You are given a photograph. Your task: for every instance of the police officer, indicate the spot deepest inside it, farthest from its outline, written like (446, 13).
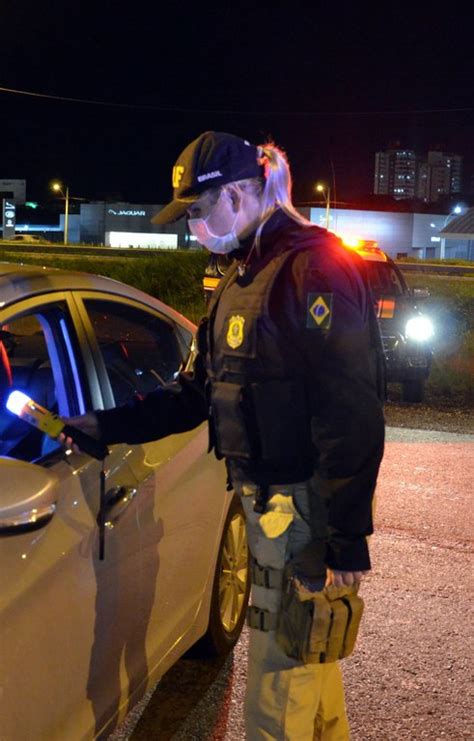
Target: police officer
(289, 376)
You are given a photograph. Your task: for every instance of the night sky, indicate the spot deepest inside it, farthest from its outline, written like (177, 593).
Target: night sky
(330, 84)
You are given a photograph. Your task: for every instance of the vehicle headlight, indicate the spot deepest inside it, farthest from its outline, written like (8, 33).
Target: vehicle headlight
(419, 328)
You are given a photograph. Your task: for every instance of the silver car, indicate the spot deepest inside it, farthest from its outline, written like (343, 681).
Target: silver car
(82, 638)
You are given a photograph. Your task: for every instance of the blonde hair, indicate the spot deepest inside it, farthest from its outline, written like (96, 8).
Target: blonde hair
(273, 188)
(277, 183)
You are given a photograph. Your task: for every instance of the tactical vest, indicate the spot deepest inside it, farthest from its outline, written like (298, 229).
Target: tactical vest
(259, 410)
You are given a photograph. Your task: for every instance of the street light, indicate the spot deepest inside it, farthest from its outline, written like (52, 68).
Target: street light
(58, 188)
(326, 191)
(455, 212)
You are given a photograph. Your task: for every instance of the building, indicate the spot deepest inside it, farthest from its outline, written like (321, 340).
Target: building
(457, 237)
(397, 233)
(13, 188)
(129, 225)
(401, 173)
(409, 234)
(395, 173)
(439, 176)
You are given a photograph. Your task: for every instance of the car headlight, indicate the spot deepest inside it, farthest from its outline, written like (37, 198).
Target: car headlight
(419, 328)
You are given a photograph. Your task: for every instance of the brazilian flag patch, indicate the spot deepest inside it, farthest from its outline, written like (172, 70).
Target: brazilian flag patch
(319, 313)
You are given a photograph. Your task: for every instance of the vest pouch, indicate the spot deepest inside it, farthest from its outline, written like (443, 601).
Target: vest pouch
(283, 423)
(339, 621)
(356, 607)
(347, 608)
(230, 421)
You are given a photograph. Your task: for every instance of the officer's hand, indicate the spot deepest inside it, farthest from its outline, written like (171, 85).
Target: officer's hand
(87, 423)
(343, 578)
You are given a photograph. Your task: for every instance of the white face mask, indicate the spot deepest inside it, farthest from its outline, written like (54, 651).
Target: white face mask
(220, 244)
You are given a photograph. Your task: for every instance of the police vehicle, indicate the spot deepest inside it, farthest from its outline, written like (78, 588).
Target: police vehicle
(406, 330)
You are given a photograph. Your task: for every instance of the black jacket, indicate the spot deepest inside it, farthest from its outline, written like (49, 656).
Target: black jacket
(337, 344)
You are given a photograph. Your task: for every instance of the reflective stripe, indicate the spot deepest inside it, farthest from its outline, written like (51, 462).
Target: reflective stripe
(264, 576)
(386, 307)
(210, 283)
(261, 619)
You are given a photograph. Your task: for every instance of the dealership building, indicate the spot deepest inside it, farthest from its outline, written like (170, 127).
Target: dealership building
(128, 225)
(419, 235)
(413, 234)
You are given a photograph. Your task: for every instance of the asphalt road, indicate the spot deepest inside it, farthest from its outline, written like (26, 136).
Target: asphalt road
(409, 676)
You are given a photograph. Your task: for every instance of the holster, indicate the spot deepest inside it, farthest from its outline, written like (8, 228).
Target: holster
(318, 627)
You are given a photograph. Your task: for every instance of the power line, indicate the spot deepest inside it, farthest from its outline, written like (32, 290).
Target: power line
(176, 109)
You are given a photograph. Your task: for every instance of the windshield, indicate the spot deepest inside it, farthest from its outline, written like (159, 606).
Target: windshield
(385, 279)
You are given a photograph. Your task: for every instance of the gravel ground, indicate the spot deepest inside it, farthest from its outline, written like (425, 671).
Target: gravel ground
(437, 415)
(411, 674)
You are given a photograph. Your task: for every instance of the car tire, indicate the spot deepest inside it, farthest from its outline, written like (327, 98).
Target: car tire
(230, 591)
(413, 391)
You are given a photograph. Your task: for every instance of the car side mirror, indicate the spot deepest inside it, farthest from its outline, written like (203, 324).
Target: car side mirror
(29, 495)
(421, 293)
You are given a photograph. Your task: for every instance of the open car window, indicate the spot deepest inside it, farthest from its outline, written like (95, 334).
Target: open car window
(34, 359)
(140, 350)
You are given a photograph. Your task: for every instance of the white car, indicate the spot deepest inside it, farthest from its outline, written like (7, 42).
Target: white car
(82, 639)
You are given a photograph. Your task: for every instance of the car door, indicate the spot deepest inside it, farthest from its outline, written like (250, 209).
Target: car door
(182, 498)
(71, 625)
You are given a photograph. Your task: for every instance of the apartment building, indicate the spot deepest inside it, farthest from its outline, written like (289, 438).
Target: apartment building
(439, 176)
(402, 173)
(395, 173)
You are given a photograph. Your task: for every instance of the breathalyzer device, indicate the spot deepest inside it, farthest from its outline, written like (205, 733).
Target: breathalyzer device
(29, 411)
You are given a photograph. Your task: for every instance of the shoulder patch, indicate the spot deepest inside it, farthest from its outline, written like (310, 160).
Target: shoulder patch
(319, 311)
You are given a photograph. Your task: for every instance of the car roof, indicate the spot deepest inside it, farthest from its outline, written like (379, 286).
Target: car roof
(374, 254)
(19, 281)
(368, 249)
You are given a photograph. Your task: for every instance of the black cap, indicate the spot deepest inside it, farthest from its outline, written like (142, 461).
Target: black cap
(213, 159)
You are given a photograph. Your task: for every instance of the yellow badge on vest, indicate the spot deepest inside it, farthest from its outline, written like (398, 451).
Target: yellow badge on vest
(235, 332)
(319, 312)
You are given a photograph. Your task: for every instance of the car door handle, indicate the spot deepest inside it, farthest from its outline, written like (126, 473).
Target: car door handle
(117, 500)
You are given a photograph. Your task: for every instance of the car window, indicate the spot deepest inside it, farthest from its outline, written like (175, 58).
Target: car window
(26, 364)
(384, 279)
(140, 350)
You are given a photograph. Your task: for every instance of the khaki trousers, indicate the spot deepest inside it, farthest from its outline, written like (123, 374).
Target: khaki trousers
(286, 699)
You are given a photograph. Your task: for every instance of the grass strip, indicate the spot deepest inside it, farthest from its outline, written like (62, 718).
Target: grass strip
(176, 278)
